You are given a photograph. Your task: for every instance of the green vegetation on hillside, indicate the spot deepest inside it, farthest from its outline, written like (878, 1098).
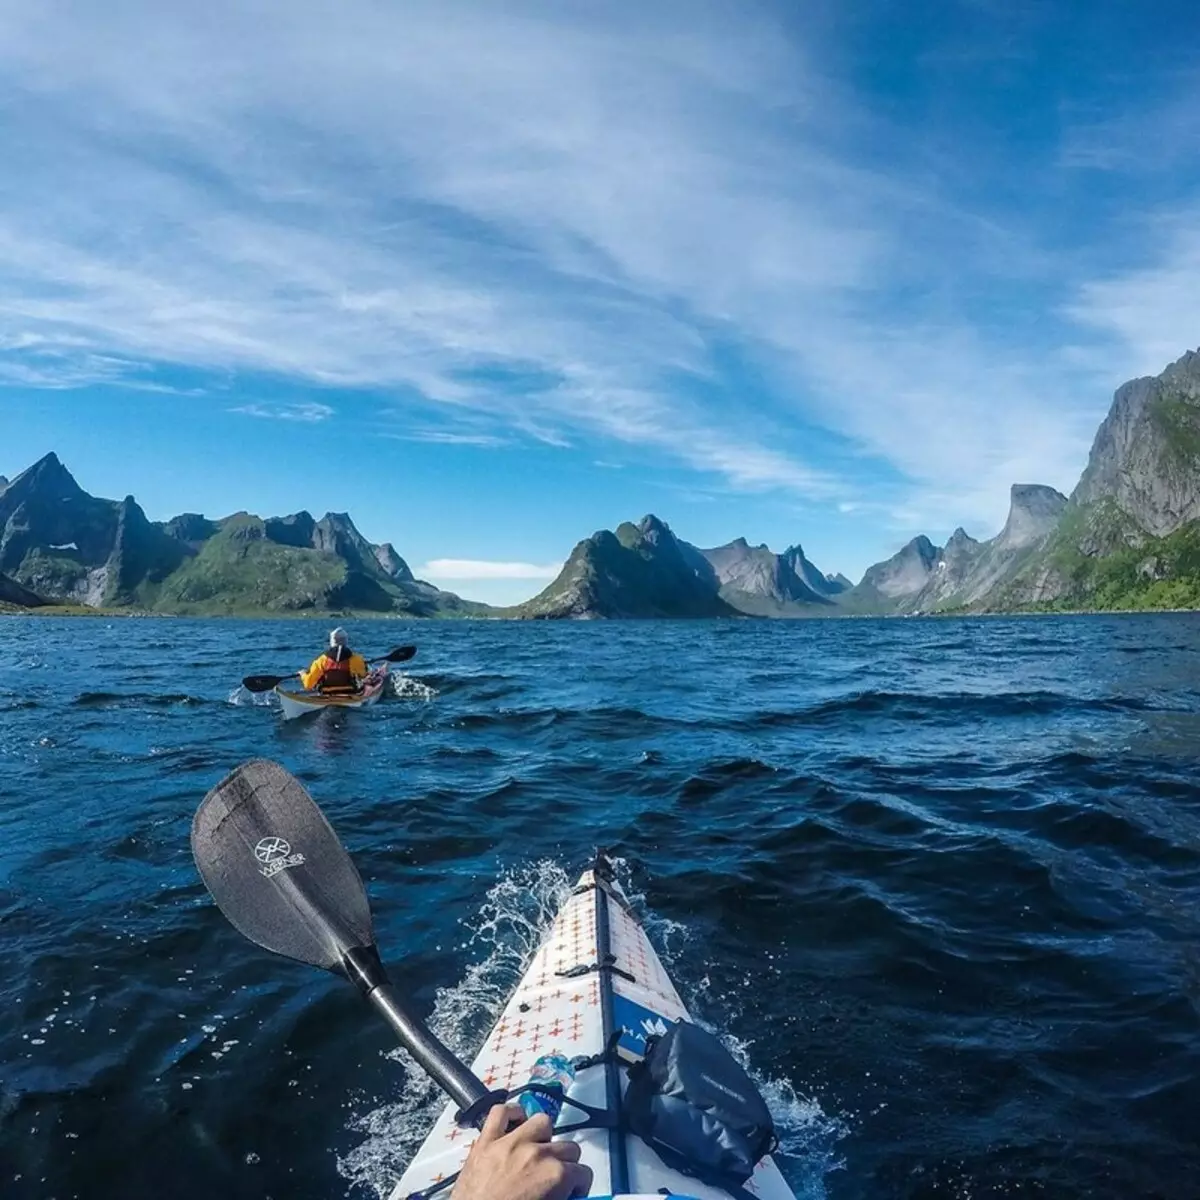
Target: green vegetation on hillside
(1178, 420)
(51, 573)
(1087, 531)
(238, 570)
(1159, 573)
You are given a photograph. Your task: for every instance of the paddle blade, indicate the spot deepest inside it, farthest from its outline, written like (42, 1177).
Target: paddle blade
(400, 654)
(263, 683)
(276, 868)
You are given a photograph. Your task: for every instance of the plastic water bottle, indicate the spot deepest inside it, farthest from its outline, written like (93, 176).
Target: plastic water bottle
(554, 1074)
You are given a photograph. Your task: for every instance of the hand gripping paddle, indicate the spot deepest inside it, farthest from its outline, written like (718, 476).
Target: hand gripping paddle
(277, 870)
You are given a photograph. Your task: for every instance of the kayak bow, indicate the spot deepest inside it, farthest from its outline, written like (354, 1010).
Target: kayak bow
(596, 972)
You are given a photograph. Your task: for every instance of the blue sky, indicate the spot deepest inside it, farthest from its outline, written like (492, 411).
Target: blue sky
(493, 276)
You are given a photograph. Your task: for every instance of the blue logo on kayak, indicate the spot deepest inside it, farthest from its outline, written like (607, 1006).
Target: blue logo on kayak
(275, 853)
(636, 1024)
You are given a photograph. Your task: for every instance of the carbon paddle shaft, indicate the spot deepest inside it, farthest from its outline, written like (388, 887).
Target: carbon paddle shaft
(439, 1063)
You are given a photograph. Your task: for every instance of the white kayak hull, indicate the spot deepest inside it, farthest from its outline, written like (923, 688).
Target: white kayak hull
(295, 704)
(553, 1013)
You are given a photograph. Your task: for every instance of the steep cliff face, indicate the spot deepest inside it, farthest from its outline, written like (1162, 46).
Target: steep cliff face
(393, 566)
(142, 556)
(1127, 537)
(1146, 456)
(815, 580)
(640, 570)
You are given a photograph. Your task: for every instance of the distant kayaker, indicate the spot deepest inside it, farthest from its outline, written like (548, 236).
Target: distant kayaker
(338, 671)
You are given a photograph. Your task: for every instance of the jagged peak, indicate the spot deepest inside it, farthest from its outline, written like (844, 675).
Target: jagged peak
(130, 507)
(959, 537)
(1187, 363)
(337, 518)
(48, 471)
(920, 545)
(651, 524)
(338, 524)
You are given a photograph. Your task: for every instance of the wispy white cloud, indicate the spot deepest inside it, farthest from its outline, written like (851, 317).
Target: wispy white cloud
(447, 437)
(1150, 312)
(563, 223)
(1156, 134)
(308, 413)
(470, 568)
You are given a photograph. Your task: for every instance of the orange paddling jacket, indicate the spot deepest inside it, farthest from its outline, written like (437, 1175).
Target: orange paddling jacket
(339, 669)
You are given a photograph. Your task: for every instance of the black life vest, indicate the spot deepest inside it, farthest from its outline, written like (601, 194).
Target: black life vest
(337, 677)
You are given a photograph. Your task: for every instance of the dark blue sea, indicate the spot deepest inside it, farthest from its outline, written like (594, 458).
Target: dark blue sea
(938, 880)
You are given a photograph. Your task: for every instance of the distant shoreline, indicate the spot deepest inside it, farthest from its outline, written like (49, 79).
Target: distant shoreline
(66, 612)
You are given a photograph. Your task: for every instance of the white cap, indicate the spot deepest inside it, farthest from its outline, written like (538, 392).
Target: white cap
(338, 637)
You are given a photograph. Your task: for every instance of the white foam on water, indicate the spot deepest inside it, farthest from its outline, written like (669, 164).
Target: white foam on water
(405, 687)
(243, 698)
(515, 916)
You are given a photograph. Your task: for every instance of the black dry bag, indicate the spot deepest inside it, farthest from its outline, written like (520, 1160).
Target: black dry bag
(697, 1109)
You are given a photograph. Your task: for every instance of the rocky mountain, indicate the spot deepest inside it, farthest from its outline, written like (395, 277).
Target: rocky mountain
(1146, 455)
(758, 582)
(969, 571)
(811, 577)
(640, 570)
(1130, 535)
(61, 543)
(64, 544)
(644, 570)
(923, 578)
(893, 585)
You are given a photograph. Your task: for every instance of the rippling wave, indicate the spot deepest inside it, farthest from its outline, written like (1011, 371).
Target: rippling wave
(937, 882)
